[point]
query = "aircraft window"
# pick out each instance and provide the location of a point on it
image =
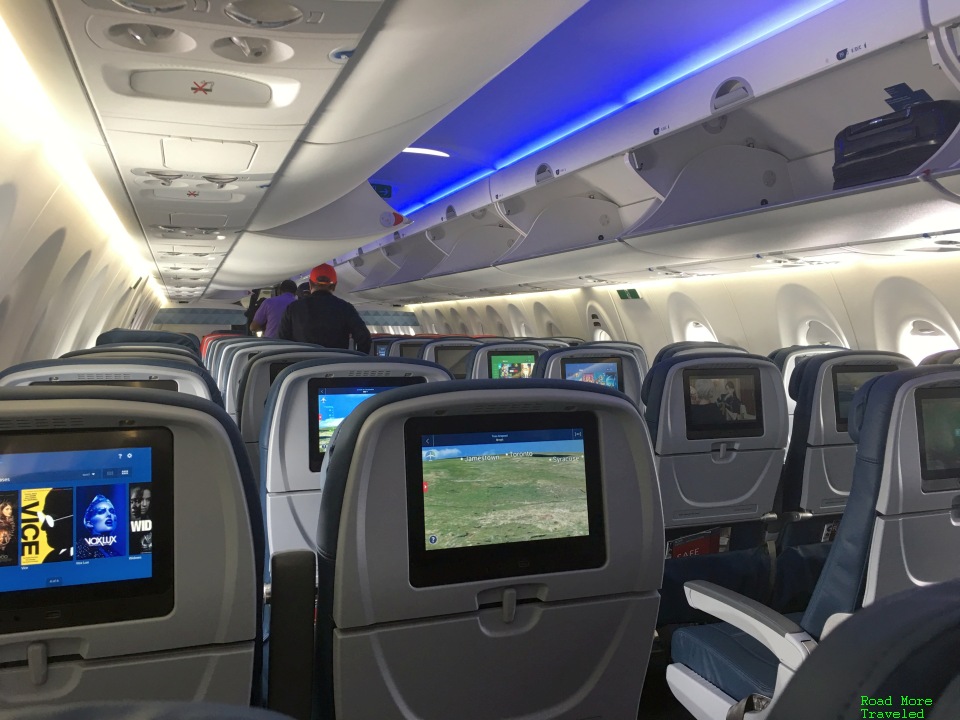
(922, 338)
(599, 334)
(820, 334)
(699, 332)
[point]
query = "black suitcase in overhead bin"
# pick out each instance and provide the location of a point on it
(892, 145)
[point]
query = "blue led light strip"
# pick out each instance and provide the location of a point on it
(750, 35)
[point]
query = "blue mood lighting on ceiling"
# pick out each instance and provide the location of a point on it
(747, 34)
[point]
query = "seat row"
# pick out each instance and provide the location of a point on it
(526, 510)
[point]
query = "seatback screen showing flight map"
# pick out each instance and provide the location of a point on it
(502, 498)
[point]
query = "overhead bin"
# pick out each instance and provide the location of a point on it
(722, 180)
(744, 170)
(942, 12)
(766, 67)
(417, 257)
(565, 224)
(477, 247)
(376, 267)
(895, 209)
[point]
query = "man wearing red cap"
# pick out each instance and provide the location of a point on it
(323, 319)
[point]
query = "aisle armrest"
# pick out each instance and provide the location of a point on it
(292, 611)
(783, 637)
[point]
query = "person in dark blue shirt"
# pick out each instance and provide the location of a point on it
(323, 319)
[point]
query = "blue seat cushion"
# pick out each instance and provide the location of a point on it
(727, 658)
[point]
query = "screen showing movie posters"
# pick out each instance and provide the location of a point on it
(75, 517)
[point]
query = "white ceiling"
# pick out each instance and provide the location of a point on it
(208, 107)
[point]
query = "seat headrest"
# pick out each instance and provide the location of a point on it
(120, 335)
(808, 369)
(668, 351)
(127, 710)
(793, 386)
(120, 363)
(870, 409)
(858, 406)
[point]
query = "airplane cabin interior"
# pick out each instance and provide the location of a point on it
(660, 413)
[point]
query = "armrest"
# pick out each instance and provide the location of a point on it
(292, 612)
(780, 635)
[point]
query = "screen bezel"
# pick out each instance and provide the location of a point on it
(112, 601)
(934, 480)
(719, 431)
(565, 362)
(278, 367)
(843, 425)
(431, 568)
(442, 348)
(314, 385)
(154, 384)
(510, 354)
(410, 346)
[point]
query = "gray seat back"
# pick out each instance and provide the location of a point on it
(819, 466)
(175, 350)
(554, 640)
(787, 359)
(132, 354)
(215, 349)
(899, 528)
(237, 364)
(255, 386)
(126, 710)
(716, 463)
(916, 538)
(105, 370)
(291, 469)
(115, 592)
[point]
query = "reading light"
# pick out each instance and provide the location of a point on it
(426, 151)
(263, 14)
(152, 7)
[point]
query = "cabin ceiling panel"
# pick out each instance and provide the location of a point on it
(132, 62)
(211, 105)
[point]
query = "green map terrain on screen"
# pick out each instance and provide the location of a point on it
(510, 499)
